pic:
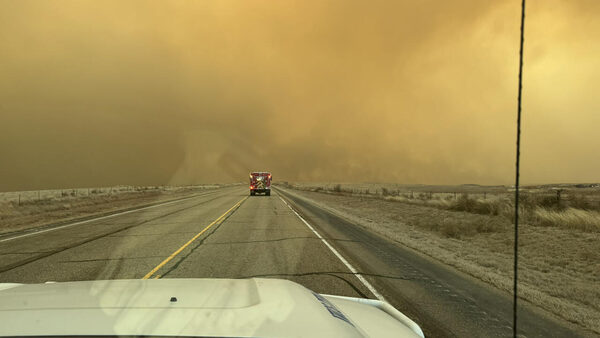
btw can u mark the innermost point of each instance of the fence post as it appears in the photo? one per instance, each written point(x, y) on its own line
point(484, 197)
point(38, 195)
point(19, 199)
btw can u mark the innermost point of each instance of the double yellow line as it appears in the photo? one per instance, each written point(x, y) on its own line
point(217, 221)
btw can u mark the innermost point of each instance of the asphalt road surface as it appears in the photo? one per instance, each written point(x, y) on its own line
point(227, 234)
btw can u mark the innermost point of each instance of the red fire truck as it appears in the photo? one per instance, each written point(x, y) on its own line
point(260, 182)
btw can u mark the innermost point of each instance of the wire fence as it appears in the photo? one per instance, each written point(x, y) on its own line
point(586, 197)
point(40, 196)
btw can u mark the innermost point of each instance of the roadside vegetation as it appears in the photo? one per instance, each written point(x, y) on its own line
point(565, 209)
point(28, 209)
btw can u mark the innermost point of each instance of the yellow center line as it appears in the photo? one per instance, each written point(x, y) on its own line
point(149, 274)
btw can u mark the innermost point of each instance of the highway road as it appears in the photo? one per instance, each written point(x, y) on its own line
point(227, 234)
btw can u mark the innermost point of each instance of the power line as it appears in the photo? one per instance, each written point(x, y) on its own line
point(518, 163)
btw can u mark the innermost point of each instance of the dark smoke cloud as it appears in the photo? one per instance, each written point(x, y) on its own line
point(140, 92)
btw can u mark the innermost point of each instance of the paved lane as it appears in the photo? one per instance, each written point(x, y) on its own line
point(264, 238)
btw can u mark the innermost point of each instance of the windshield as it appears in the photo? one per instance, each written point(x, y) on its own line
point(358, 149)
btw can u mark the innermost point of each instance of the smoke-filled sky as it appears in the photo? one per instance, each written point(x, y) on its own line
point(97, 93)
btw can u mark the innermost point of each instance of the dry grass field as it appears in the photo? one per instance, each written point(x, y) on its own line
point(471, 229)
point(27, 209)
point(563, 206)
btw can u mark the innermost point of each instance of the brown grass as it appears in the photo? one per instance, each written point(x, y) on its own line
point(61, 206)
point(569, 218)
point(540, 208)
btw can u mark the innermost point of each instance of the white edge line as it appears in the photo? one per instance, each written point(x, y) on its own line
point(340, 257)
point(93, 219)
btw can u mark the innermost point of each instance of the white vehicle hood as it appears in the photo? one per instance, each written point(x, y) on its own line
point(193, 307)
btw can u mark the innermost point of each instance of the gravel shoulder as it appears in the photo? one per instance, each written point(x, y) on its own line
point(566, 284)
